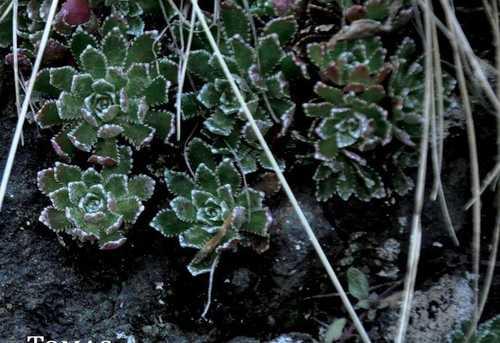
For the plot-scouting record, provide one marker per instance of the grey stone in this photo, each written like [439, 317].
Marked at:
[435, 314]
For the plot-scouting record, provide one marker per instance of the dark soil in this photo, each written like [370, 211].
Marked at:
[64, 292]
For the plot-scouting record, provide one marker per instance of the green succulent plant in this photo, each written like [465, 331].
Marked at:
[352, 118]
[116, 92]
[260, 68]
[212, 211]
[406, 91]
[349, 120]
[94, 206]
[129, 12]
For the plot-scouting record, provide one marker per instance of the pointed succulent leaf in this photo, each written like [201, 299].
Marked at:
[80, 41]
[206, 179]
[77, 190]
[105, 153]
[325, 189]
[123, 165]
[157, 91]
[81, 85]
[94, 62]
[251, 199]
[54, 219]
[270, 53]
[109, 131]
[200, 198]
[293, 67]
[62, 77]
[184, 209]
[142, 49]
[284, 27]
[48, 115]
[62, 145]
[321, 110]
[219, 124]
[84, 136]
[225, 194]
[65, 173]
[195, 237]
[114, 47]
[168, 69]
[91, 177]
[209, 96]
[248, 133]
[112, 22]
[117, 185]
[315, 54]
[199, 152]
[329, 93]
[47, 182]
[229, 175]
[162, 122]
[199, 65]
[141, 186]
[43, 85]
[138, 79]
[258, 222]
[117, 77]
[60, 198]
[235, 20]
[138, 135]
[190, 106]
[129, 208]
[167, 223]
[179, 183]
[244, 54]
[102, 86]
[69, 106]
[327, 149]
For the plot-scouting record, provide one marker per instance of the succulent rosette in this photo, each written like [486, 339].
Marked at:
[115, 93]
[91, 205]
[212, 211]
[260, 67]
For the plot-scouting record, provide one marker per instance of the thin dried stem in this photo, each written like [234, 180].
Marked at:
[471, 137]
[437, 123]
[26, 102]
[182, 76]
[281, 177]
[7, 11]
[455, 34]
[485, 290]
[416, 228]
[210, 287]
[437, 136]
[488, 180]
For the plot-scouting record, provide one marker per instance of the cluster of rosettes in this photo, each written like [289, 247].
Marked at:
[212, 210]
[260, 68]
[114, 93]
[91, 205]
[353, 118]
[110, 94]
